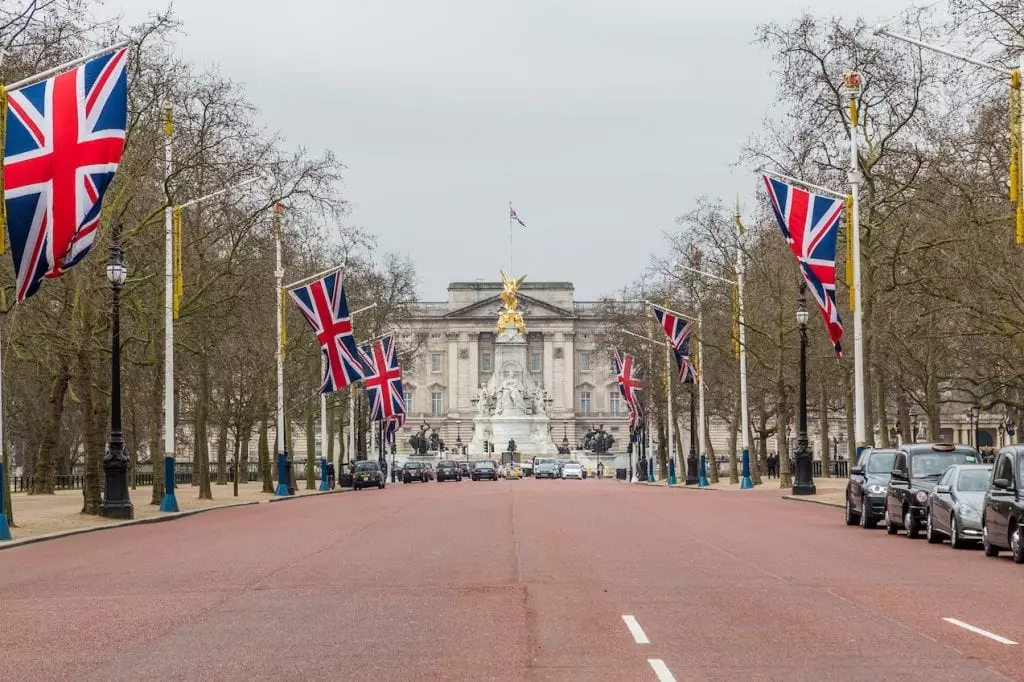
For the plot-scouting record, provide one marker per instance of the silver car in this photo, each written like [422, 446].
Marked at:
[954, 506]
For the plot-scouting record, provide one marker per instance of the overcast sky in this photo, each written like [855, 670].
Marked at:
[601, 120]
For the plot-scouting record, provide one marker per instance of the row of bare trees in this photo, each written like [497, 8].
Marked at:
[56, 345]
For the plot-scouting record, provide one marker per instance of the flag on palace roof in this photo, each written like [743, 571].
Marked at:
[810, 223]
[515, 216]
[325, 307]
[63, 143]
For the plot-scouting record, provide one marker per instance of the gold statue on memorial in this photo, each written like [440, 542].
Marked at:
[511, 315]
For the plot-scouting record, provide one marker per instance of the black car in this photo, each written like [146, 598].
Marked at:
[414, 471]
[448, 470]
[865, 491]
[954, 507]
[368, 474]
[1003, 511]
[918, 467]
[485, 469]
[466, 469]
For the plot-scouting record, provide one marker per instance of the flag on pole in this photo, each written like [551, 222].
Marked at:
[515, 216]
[63, 143]
[325, 307]
[382, 379]
[391, 427]
[809, 222]
[678, 332]
[628, 372]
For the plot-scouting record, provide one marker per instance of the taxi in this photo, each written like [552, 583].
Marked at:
[513, 471]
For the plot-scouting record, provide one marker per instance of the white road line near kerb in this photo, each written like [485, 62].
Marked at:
[661, 670]
[639, 636]
[979, 631]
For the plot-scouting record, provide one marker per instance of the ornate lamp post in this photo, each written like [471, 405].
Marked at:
[975, 414]
[691, 458]
[803, 483]
[458, 436]
[116, 502]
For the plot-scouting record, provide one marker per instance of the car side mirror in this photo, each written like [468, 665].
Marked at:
[1002, 483]
[942, 489]
[859, 471]
[898, 474]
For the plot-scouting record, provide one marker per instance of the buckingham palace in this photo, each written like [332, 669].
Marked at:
[456, 356]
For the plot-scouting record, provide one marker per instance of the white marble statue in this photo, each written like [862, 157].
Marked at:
[483, 405]
[540, 400]
[510, 397]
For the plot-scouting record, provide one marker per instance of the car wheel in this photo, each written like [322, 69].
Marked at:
[990, 549]
[911, 525]
[955, 541]
[866, 519]
[931, 534]
[381, 486]
[851, 517]
[1017, 545]
[890, 527]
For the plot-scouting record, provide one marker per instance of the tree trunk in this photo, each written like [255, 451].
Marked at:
[826, 450]
[903, 418]
[6, 483]
[201, 436]
[709, 451]
[242, 446]
[93, 413]
[42, 479]
[311, 447]
[222, 452]
[883, 421]
[156, 448]
[266, 472]
[762, 454]
[782, 418]
[734, 421]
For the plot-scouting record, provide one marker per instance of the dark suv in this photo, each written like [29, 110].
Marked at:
[1003, 511]
[865, 491]
[414, 471]
[918, 467]
[448, 470]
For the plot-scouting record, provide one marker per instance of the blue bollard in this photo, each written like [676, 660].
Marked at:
[282, 475]
[170, 502]
[323, 475]
[746, 483]
[5, 529]
[671, 471]
[702, 473]
[650, 470]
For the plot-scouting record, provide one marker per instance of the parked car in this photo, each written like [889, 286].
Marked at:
[916, 470]
[572, 470]
[1003, 508]
[485, 468]
[867, 486]
[448, 470]
[367, 474]
[954, 507]
[545, 468]
[414, 471]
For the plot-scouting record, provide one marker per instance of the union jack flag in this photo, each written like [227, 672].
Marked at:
[64, 141]
[382, 379]
[809, 222]
[391, 427]
[514, 216]
[678, 332]
[324, 305]
[628, 372]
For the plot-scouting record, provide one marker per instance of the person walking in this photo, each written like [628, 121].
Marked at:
[600, 469]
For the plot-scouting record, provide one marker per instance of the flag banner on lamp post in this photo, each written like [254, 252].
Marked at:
[382, 379]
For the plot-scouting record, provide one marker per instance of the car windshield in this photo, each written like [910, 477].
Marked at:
[881, 462]
[934, 464]
[484, 465]
[545, 461]
[445, 465]
[366, 466]
[412, 465]
[973, 480]
[572, 465]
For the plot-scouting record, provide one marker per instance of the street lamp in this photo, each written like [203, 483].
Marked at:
[116, 502]
[803, 484]
[691, 458]
[975, 413]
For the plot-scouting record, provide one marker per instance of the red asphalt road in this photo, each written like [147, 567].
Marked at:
[514, 580]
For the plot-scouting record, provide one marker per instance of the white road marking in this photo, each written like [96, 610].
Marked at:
[661, 670]
[639, 636]
[979, 631]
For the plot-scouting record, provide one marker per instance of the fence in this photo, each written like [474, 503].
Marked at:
[183, 475]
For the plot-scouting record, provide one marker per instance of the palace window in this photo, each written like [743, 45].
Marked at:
[409, 409]
[585, 402]
[436, 402]
[584, 361]
[435, 363]
[535, 361]
[485, 361]
[614, 402]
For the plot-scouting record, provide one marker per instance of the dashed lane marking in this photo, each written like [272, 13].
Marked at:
[661, 670]
[979, 631]
[639, 636]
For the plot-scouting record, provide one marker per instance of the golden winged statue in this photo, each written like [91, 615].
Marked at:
[511, 315]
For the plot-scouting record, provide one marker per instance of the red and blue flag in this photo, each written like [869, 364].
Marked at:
[64, 140]
[382, 379]
[810, 224]
[325, 307]
[678, 332]
[627, 371]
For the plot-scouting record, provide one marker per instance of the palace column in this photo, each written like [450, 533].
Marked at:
[549, 364]
[473, 382]
[569, 379]
[453, 372]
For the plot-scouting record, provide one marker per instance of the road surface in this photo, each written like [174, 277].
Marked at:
[510, 580]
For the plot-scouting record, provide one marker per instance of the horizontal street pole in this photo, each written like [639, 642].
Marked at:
[880, 30]
[363, 309]
[305, 280]
[669, 310]
[817, 188]
[706, 274]
[211, 195]
[43, 75]
[642, 337]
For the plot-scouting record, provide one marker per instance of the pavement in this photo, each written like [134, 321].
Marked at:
[509, 580]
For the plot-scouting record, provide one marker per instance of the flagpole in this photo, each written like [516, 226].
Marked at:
[702, 476]
[351, 423]
[43, 75]
[323, 408]
[324, 485]
[5, 529]
[282, 452]
[510, 239]
[745, 480]
[860, 425]
[170, 501]
[671, 422]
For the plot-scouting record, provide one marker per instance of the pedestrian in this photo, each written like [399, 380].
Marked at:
[600, 469]
[330, 475]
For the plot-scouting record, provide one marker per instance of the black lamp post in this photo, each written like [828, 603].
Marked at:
[116, 502]
[691, 458]
[803, 483]
[975, 417]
